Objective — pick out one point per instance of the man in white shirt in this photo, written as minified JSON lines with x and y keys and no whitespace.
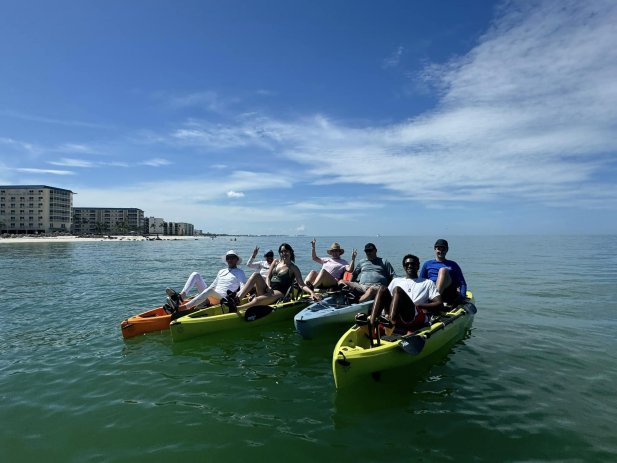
{"x":228,"y":279}
{"x":406,"y":301}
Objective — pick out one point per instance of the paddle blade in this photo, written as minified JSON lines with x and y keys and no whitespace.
{"x":256,"y":312}
{"x":413,"y":345}
{"x":470,"y":308}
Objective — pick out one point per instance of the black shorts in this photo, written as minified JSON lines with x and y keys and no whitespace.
{"x":451,"y":295}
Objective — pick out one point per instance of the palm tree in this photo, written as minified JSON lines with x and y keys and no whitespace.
{"x":84,"y":222}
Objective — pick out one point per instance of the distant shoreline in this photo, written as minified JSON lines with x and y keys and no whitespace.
{"x":73,"y":239}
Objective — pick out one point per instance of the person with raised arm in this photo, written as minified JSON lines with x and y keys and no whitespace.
{"x":282,"y":274}
{"x":262,"y":266}
{"x":332,"y":269}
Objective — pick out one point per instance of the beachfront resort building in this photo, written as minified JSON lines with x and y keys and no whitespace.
{"x":179,"y":229}
{"x":158,"y":226}
{"x":107,"y":220}
{"x":154,"y":226}
{"x":32,"y":209}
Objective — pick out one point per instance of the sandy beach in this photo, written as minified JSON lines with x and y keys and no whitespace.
{"x":70,"y":238}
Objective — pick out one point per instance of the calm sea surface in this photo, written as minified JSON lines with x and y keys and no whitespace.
{"x":534,"y":380}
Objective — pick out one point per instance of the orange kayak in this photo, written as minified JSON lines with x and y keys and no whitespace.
{"x":147,"y":322}
{"x":152,"y":320}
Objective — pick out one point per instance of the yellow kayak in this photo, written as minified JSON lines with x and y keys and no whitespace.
{"x":218,"y":318}
{"x":356,"y":355}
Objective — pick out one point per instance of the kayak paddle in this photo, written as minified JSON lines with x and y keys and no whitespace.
{"x":413,"y":345}
{"x":256,"y":312}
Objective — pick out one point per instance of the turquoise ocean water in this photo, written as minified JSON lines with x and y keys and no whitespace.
{"x":533,"y":381}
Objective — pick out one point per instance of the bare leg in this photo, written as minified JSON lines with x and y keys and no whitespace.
{"x":370,"y":293}
{"x":310,"y":278}
{"x":382,"y":302}
{"x":255,"y":281}
{"x":401,"y":307}
{"x":263,"y":299}
{"x":324,"y":280}
{"x":443,"y":280}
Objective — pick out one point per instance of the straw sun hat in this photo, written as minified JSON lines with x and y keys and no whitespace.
{"x":335,"y":247}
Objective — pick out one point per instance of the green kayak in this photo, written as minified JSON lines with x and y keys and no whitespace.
{"x":356,"y":355}
{"x":217,"y":318}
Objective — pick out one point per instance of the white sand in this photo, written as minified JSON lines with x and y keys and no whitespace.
{"x":68,"y":239}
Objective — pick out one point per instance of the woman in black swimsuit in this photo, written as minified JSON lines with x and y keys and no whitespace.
{"x":281,"y":275}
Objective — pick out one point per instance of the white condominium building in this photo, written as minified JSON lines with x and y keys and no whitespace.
{"x":35,"y":209}
{"x":103,"y":220}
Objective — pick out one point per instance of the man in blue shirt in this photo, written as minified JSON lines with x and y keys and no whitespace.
{"x":446,"y":274}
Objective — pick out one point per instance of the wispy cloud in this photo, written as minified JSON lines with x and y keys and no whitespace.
{"x":76,"y":148}
{"x":156,"y":162}
{"x":45,"y":171}
{"x":52,"y":121}
{"x":20,"y":145}
{"x":529,"y":113}
{"x":70,"y":162}
{"x":235,"y":194}
{"x":394,"y":59}
{"x":247,"y":132}
{"x":207,"y":100}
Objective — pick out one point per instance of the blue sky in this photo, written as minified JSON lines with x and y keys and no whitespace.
{"x":319,"y":118}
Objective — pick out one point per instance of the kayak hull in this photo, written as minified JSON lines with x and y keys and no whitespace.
{"x":214,"y":320}
{"x":354,"y":358}
{"x":318,"y":317}
{"x":146,"y":322}
{"x":157,"y":319}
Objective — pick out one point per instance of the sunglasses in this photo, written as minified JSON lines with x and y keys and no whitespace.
{"x":230,"y":257}
{"x":370,"y":250}
{"x":410,"y":264}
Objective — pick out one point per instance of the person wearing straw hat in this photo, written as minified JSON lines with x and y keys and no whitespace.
{"x":230,"y":278}
{"x":332,"y":269}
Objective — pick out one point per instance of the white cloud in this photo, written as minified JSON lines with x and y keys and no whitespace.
{"x":45,"y":171}
{"x":156,"y":162}
{"x":235,"y":194}
{"x":70,"y":162}
{"x":530,"y":112}
{"x":76,"y":148}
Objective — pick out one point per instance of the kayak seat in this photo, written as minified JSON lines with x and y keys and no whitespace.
{"x":293,"y":293}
